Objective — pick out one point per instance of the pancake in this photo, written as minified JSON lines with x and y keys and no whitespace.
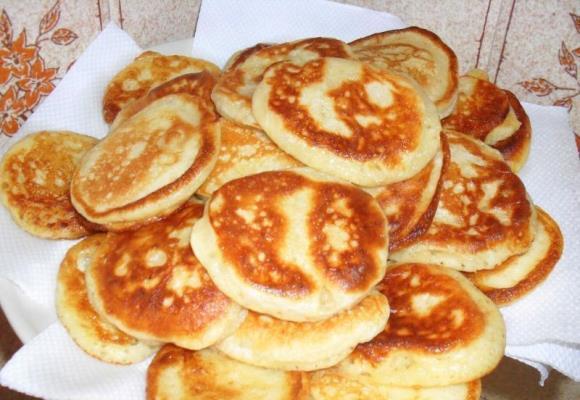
{"x":305,"y":346}
{"x":410,"y":205}
{"x":149,"y":284}
{"x":241,"y":55}
{"x":328,"y":384}
{"x":35,"y":176}
{"x":293,"y":244}
{"x":484,"y":214}
{"x":179,"y":374}
{"x":348,"y":119}
{"x":442,"y":331}
{"x":233,"y":92}
{"x":150,"y":165}
{"x":244,"y":151}
{"x":148,"y":70}
{"x":519,"y":275}
{"x":96,"y":337}
{"x":198,"y":84}
{"x":419,"y":54}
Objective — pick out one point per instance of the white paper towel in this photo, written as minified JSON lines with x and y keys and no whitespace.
{"x":543,"y":329}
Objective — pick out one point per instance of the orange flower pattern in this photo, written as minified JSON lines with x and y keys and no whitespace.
{"x":24,"y":78}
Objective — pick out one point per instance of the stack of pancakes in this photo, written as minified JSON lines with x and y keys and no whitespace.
{"x":320,"y":220}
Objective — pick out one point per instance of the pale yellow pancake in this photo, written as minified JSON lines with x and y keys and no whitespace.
{"x":348,"y":119}
{"x":294,"y":244}
{"x":179,"y":374}
{"x":35,"y":176}
{"x":95,"y":336}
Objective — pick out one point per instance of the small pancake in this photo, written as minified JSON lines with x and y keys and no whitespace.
{"x":35,"y":176}
{"x":150,"y":165}
{"x":442,"y":331}
{"x":484,"y":214}
{"x":329,"y":384}
{"x":96,"y":337}
{"x":233,"y":92}
{"x":519,"y":275}
{"x":244,"y":151}
{"x":241,"y":55}
{"x":148,"y":70}
{"x":348,"y":119}
{"x":198,"y":84}
{"x":305,"y":346}
{"x":295,"y":244}
{"x":179,"y":374}
{"x":419,"y":54}
{"x":410,"y":205}
{"x":149,"y":284}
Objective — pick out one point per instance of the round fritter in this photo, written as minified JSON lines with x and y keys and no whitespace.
{"x":419,"y":54}
{"x":244,"y":151}
{"x":35,"y":177}
{"x":306,"y":346}
{"x":197,"y":84}
{"x":519,"y":275}
{"x":348,"y":119}
{"x":233,"y":92}
{"x":484,"y":214}
{"x":292,"y":244}
{"x":150,"y":165}
{"x":95,"y":336}
{"x":410,"y":205}
{"x":179,"y":374}
{"x":149,"y":284}
{"x":442,"y":331}
{"x":241,"y":55}
{"x":148,"y":70}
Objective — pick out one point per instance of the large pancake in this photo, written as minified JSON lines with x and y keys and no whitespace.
{"x":329,"y":384}
{"x":149,"y":284}
{"x":179,"y":374}
{"x":519,"y":275}
{"x":348,"y":119}
{"x":233,"y":92}
{"x":149,"y":165}
{"x":95,"y":336}
{"x":306,"y":346}
{"x":419,"y":54}
{"x":442,"y":331}
{"x":196,"y":84}
{"x":484,"y":214}
{"x":293,"y":244}
{"x":410,"y":205}
{"x":35,"y":175}
{"x":148,"y":70}
{"x":244,"y":151}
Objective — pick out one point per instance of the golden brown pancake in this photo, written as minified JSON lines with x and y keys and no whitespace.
{"x":96,"y":337}
{"x":305,"y":346}
{"x":410,"y":205}
{"x":149,"y":284}
{"x":196,"y":84}
{"x":240,"y":56}
{"x":419,"y":54}
{"x":519,"y":275}
{"x":484,"y":214}
{"x":150,"y":165}
{"x":179,"y":374}
{"x":148,"y":70}
{"x":348,"y":119}
{"x":442,"y":331}
{"x":295,"y":244}
{"x":233,"y":92}
{"x":244,"y":151}
{"x":35,"y":176}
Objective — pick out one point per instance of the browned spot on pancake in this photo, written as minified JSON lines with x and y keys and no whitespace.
{"x":453,"y":321}
{"x":151,"y":281}
{"x":478,"y":113}
{"x":395,"y":132}
{"x":474,"y":390}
